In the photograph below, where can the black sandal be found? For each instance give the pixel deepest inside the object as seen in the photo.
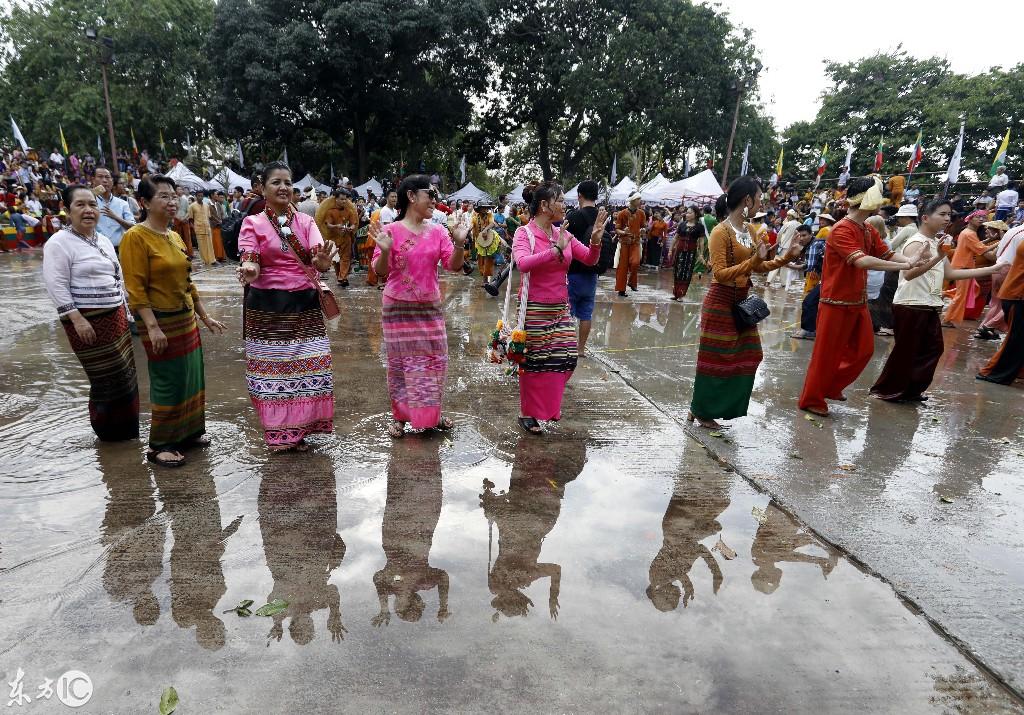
(444, 424)
(531, 425)
(154, 457)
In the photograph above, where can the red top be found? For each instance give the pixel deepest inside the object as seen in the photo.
(842, 282)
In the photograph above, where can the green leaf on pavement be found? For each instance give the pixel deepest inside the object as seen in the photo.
(809, 418)
(242, 609)
(717, 435)
(273, 608)
(168, 701)
(944, 499)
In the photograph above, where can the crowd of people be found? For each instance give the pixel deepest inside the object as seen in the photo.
(867, 258)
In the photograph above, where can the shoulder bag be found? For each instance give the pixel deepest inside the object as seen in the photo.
(750, 311)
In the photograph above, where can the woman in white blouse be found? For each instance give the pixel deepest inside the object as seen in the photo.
(84, 280)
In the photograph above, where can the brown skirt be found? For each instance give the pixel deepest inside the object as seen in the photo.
(918, 346)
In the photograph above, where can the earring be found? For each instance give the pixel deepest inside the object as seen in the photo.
(746, 212)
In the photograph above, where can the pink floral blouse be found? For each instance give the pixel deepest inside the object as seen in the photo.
(279, 268)
(412, 264)
(548, 282)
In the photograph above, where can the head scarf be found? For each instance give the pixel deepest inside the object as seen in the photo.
(870, 200)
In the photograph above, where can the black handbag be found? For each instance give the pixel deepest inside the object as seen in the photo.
(749, 311)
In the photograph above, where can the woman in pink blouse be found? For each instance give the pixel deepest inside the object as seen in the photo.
(408, 252)
(543, 253)
(287, 352)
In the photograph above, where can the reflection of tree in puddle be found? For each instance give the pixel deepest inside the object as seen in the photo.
(197, 578)
(525, 515)
(691, 517)
(298, 511)
(778, 538)
(410, 517)
(134, 536)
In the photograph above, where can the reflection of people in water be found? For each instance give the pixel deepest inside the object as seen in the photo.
(197, 579)
(777, 539)
(133, 535)
(691, 517)
(410, 517)
(525, 515)
(298, 511)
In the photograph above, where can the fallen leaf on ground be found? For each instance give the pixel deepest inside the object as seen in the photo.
(809, 418)
(242, 609)
(760, 514)
(273, 608)
(168, 701)
(795, 456)
(944, 499)
(722, 548)
(848, 467)
(717, 435)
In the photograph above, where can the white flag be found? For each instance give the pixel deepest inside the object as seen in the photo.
(17, 135)
(99, 146)
(953, 172)
(686, 165)
(241, 159)
(615, 169)
(462, 169)
(285, 159)
(744, 164)
(849, 157)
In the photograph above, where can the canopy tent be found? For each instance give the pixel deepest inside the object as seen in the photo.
(308, 180)
(647, 189)
(470, 192)
(572, 196)
(371, 185)
(619, 194)
(183, 176)
(229, 180)
(702, 187)
(515, 196)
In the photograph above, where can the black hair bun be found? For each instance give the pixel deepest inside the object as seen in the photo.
(528, 191)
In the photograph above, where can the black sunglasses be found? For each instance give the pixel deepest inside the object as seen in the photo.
(432, 193)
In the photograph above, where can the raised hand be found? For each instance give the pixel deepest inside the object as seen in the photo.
(381, 238)
(325, 254)
(597, 235)
(460, 234)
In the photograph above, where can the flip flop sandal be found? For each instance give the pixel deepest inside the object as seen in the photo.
(531, 425)
(154, 457)
(396, 430)
(445, 424)
(202, 440)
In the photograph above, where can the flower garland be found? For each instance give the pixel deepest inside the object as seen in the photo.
(282, 224)
(514, 350)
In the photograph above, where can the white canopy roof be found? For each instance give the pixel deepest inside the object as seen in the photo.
(470, 192)
(619, 194)
(308, 180)
(515, 196)
(703, 186)
(229, 180)
(184, 176)
(371, 185)
(655, 183)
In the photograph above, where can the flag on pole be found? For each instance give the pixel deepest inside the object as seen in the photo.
(744, 164)
(18, 137)
(99, 146)
(63, 141)
(849, 156)
(953, 172)
(778, 164)
(163, 146)
(615, 169)
(332, 173)
(241, 159)
(916, 155)
(878, 154)
(188, 140)
(823, 161)
(686, 165)
(285, 156)
(135, 147)
(462, 169)
(1000, 159)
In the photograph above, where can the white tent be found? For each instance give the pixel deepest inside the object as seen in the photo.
(183, 176)
(619, 194)
(572, 196)
(702, 187)
(371, 185)
(647, 189)
(515, 196)
(470, 192)
(308, 180)
(229, 180)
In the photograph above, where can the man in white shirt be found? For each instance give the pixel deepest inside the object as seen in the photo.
(115, 214)
(389, 214)
(56, 159)
(1006, 202)
(785, 238)
(309, 204)
(844, 178)
(999, 181)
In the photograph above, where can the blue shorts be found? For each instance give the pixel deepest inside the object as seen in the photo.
(582, 287)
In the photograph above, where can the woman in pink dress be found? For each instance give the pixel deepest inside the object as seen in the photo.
(543, 253)
(408, 252)
(287, 351)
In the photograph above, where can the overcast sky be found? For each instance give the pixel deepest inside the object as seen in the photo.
(794, 37)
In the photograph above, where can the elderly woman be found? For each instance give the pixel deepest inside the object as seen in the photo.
(728, 356)
(287, 351)
(543, 252)
(408, 251)
(83, 277)
(158, 278)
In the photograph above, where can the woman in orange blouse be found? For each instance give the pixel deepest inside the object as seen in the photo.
(727, 359)
(656, 240)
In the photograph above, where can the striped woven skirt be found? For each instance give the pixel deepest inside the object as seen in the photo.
(110, 367)
(727, 359)
(288, 364)
(177, 385)
(550, 359)
(417, 356)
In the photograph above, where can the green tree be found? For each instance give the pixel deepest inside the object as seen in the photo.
(159, 79)
(382, 78)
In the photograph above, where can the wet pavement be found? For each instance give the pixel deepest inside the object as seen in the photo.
(611, 566)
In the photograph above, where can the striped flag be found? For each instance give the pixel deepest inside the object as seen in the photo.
(778, 164)
(878, 155)
(63, 141)
(1000, 159)
(823, 161)
(615, 169)
(916, 155)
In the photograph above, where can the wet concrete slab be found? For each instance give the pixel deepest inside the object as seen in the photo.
(612, 566)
